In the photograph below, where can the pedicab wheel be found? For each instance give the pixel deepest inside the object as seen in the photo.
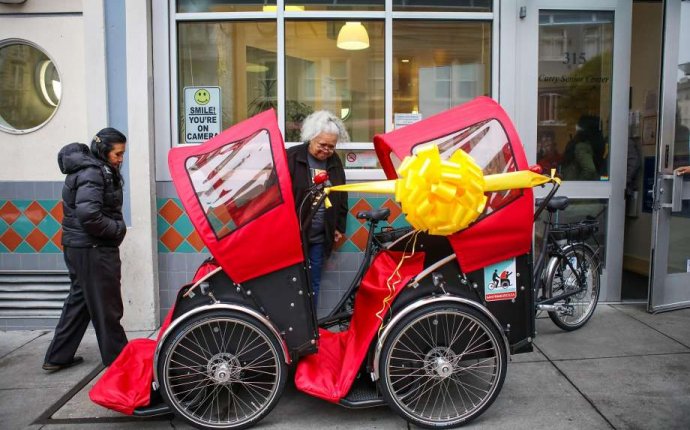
(221, 370)
(442, 365)
(577, 308)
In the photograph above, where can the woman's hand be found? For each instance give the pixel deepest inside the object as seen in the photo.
(337, 236)
(682, 170)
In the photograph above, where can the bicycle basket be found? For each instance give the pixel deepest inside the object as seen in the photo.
(575, 232)
(390, 234)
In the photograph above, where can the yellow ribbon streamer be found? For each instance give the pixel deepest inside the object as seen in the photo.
(444, 196)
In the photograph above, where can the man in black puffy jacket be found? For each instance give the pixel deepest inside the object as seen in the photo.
(92, 230)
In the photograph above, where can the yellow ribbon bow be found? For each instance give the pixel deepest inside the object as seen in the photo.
(444, 196)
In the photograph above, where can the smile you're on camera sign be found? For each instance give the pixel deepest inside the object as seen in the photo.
(201, 113)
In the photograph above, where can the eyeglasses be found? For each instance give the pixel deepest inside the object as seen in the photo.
(326, 148)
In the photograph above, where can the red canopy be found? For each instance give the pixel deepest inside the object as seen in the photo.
(482, 129)
(237, 192)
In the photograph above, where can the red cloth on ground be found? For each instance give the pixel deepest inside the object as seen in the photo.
(126, 384)
(330, 372)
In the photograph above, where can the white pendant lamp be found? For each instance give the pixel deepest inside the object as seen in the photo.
(353, 36)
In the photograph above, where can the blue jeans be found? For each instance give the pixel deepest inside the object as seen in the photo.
(316, 259)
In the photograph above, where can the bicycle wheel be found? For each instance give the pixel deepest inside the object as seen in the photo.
(576, 309)
(442, 365)
(221, 370)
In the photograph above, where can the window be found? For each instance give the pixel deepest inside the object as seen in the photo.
(331, 54)
(574, 84)
(238, 57)
(30, 87)
(236, 183)
(487, 143)
(320, 75)
(432, 71)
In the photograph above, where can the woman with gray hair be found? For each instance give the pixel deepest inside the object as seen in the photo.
(321, 132)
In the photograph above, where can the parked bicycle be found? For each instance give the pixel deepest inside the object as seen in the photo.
(567, 272)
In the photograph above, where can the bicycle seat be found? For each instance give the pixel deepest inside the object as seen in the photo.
(555, 204)
(376, 215)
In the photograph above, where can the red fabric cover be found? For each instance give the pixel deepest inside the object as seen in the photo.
(126, 384)
(329, 373)
(503, 234)
(252, 250)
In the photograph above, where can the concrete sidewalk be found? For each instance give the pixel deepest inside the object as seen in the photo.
(626, 369)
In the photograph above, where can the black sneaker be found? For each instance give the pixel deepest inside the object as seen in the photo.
(54, 367)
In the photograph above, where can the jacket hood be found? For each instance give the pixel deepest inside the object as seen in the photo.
(74, 157)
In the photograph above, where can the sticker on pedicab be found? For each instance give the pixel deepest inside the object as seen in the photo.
(499, 281)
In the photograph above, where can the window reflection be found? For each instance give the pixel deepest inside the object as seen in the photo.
(319, 75)
(30, 87)
(432, 71)
(238, 57)
(235, 183)
(574, 101)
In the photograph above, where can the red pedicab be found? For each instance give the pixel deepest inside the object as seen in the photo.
(420, 329)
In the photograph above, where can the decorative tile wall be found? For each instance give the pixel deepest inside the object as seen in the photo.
(176, 233)
(30, 226)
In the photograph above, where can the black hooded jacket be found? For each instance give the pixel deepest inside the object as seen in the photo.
(91, 200)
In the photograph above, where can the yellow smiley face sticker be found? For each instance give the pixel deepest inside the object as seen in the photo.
(202, 96)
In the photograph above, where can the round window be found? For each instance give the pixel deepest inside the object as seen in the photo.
(30, 87)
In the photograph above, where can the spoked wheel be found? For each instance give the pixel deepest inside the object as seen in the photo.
(577, 309)
(442, 365)
(221, 370)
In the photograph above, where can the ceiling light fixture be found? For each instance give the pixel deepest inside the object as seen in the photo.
(352, 37)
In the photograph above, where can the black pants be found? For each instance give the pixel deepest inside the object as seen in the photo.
(94, 296)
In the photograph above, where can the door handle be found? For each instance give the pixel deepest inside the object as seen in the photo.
(676, 204)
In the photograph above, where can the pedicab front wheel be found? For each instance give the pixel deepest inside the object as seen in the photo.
(442, 365)
(221, 370)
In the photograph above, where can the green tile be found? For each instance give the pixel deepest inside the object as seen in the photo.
(162, 248)
(25, 248)
(22, 204)
(51, 248)
(49, 226)
(376, 202)
(3, 225)
(23, 226)
(3, 248)
(47, 204)
(183, 225)
(162, 225)
(348, 246)
(186, 248)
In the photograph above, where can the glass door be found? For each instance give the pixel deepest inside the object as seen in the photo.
(572, 94)
(670, 254)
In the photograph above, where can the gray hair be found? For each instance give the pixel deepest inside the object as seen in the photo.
(323, 121)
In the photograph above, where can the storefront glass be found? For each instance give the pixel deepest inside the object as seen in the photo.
(443, 5)
(30, 87)
(334, 5)
(320, 75)
(574, 84)
(195, 6)
(237, 57)
(433, 71)
(679, 240)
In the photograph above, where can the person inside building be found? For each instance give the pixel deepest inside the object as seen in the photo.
(584, 156)
(92, 230)
(548, 156)
(321, 132)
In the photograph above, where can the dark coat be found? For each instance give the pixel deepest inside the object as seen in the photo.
(336, 216)
(91, 200)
